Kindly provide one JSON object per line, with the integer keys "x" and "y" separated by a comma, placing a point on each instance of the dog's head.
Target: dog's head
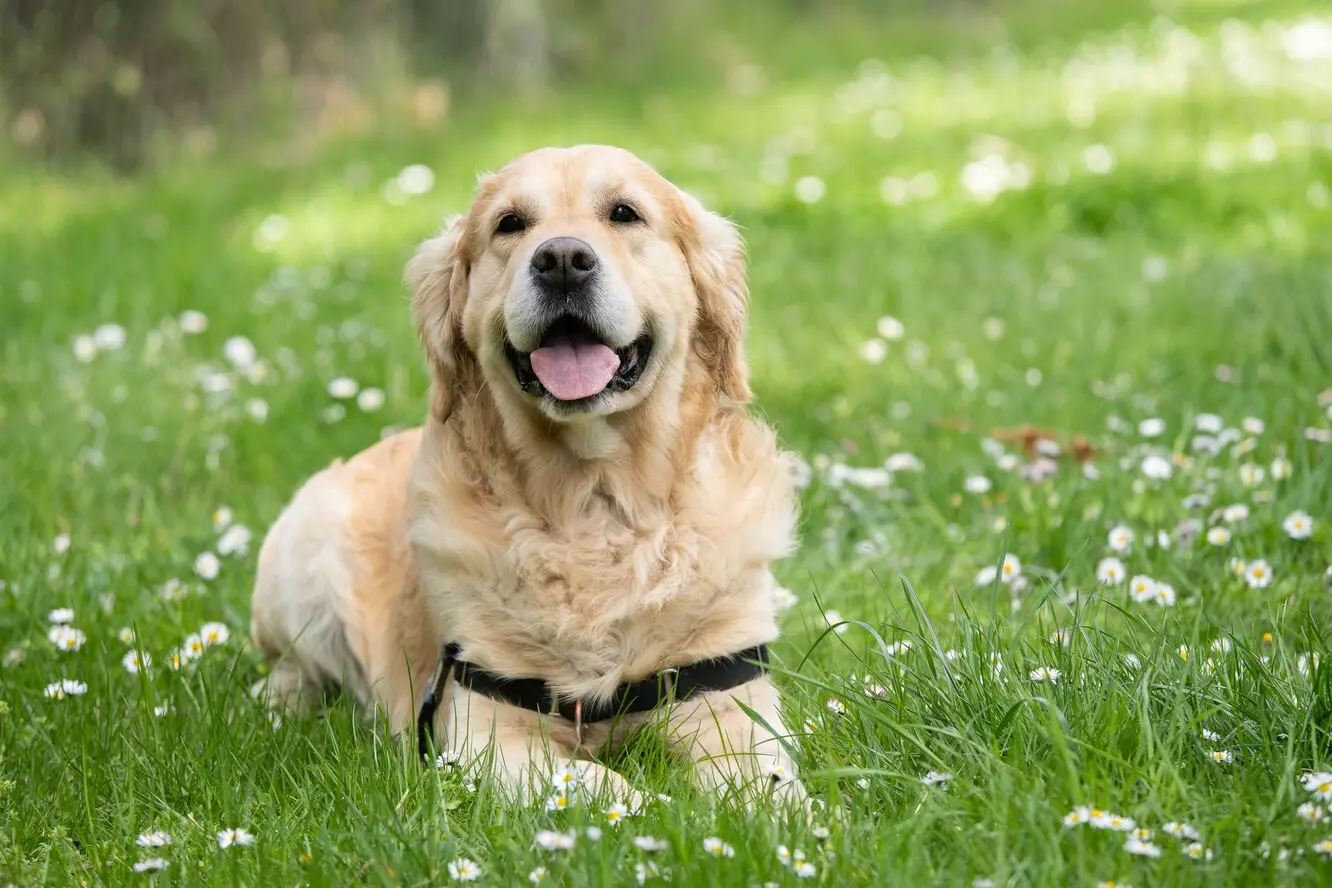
{"x": 581, "y": 284}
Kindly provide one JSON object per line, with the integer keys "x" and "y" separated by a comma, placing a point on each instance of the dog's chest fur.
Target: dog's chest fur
{"x": 612, "y": 591}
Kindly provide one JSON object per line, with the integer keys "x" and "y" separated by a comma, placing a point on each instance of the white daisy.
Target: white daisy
{"x": 1113, "y": 822}
{"x": 464, "y": 870}
{"x": 1252, "y": 425}
{"x": 1320, "y": 784}
{"x": 1121, "y": 539}
{"x": 1211, "y": 736}
{"x": 650, "y": 844}
{"x": 66, "y": 687}
{"x": 1142, "y": 588}
{"x": 1165, "y": 595}
{"x": 538, "y": 875}
{"x": 1258, "y": 574}
{"x": 553, "y": 840}
{"x": 1157, "y": 467}
{"x": 804, "y": 869}
{"x": 226, "y": 838}
{"x": 153, "y": 840}
{"x": 370, "y": 400}
{"x": 1180, "y": 830}
{"x": 835, "y": 621}
{"x": 890, "y": 328}
{"x": 235, "y": 540}
{"x": 240, "y": 352}
{"x": 978, "y": 484}
{"x": 836, "y": 706}
{"x": 1251, "y": 475}
{"x": 214, "y": 634}
{"x": 1011, "y": 569}
{"x": 1208, "y": 422}
{"x": 558, "y": 802}
{"x": 1221, "y": 756}
{"x": 616, "y": 813}
{"x": 1110, "y": 571}
{"x": 987, "y": 575}
{"x": 936, "y": 778}
{"x": 61, "y": 616}
{"x": 717, "y": 848}
{"x": 1233, "y": 514}
{"x": 66, "y": 638}
{"x": 1311, "y": 813}
{"x": 1140, "y": 848}
{"x": 1151, "y": 428}
{"x": 193, "y": 322}
{"x": 151, "y": 865}
{"x": 778, "y": 772}
{"x": 1197, "y": 851}
{"x": 1218, "y": 536}
{"x": 136, "y": 662}
{"x": 206, "y": 565}
{"x": 343, "y": 387}
{"x": 1045, "y": 673}
{"x": 1298, "y": 525}
{"x": 162, "y": 710}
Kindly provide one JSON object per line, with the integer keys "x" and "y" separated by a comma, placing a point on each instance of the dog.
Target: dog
{"x": 588, "y": 508}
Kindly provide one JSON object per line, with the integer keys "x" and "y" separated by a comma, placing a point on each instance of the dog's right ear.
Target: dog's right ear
{"x": 437, "y": 276}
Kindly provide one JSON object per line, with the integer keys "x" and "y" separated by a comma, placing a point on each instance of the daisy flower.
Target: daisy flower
{"x": 1113, "y": 822}
{"x": 1298, "y": 525}
{"x": 937, "y": 778}
{"x": 193, "y": 648}
{"x": 1324, "y": 848}
{"x": 464, "y": 870}
{"x": 1218, "y": 536}
{"x": 1045, "y": 673}
{"x": 214, "y": 633}
{"x": 1196, "y": 851}
{"x": 1111, "y": 883}
{"x": 1183, "y": 652}
{"x": 1142, "y": 849}
{"x": 1258, "y": 574}
{"x": 1078, "y": 816}
{"x": 1311, "y": 813}
{"x": 1110, "y": 571}
{"x": 978, "y": 484}
{"x": 538, "y": 875}
{"x": 1209, "y": 423}
{"x": 206, "y": 565}
{"x": 1180, "y": 830}
{"x": 717, "y": 848}
{"x": 804, "y": 869}
{"x": 66, "y": 638}
{"x": 1252, "y": 425}
{"x": 1320, "y": 784}
{"x": 565, "y": 778}
{"x": 1251, "y": 475}
{"x": 1210, "y": 735}
{"x": 644, "y": 870}
{"x": 135, "y": 662}
{"x": 1011, "y": 569}
{"x": 987, "y": 575}
{"x": 1157, "y": 467}
{"x": 1151, "y": 428}
{"x": 778, "y": 772}
{"x": 221, "y": 518}
{"x": 126, "y": 635}
{"x": 162, "y": 710}
{"x": 836, "y": 706}
{"x": 151, "y": 865}
{"x": 1121, "y": 539}
{"x": 651, "y": 844}
{"x": 66, "y": 687}
{"x": 558, "y": 802}
{"x": 616, "y": 813}
{"x": 1221, "y": 756}
{"x": 1142, "y": 588}
{"x": 226, "y": 838}
{"x": 1165, "y": 595}
{"x": 1234, "y": 514}
{"x": 553, "y": 840}
{"x": 61, "y": 616}
{"x": 1281, "y": 468}
{"x": 153, "y": 840}
{"x": 835, "y": 621}
{"x": 343, "y": 387}
{"x": 235, "y": 541}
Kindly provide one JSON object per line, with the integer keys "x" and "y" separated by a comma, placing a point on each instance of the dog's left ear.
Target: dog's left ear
{"x": 716, "y": 256}
{"x": 437, "y": 277}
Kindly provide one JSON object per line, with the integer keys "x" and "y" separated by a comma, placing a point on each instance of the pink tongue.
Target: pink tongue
{"x": 571, "y": 370}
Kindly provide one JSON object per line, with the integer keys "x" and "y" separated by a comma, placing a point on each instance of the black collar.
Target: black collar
{"x": 717, "y": 674}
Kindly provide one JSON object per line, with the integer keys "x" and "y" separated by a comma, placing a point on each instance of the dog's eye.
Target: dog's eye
{"x": 510, "y": 223}
{"x": 624, "y": 214}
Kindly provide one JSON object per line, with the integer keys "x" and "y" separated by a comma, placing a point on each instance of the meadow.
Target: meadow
{"x": 1047, "y": 314}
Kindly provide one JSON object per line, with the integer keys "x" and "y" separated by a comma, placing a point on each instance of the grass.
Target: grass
{"x": 1190, "y": 278}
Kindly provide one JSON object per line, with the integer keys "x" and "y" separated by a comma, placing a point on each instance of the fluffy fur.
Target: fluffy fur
{"x": 587, "y": 548}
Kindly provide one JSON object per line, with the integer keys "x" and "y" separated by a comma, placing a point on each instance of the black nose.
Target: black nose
{"x": 564, "y": 263}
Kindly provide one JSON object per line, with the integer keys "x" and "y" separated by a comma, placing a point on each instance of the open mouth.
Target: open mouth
{"x": 572, "y": 363}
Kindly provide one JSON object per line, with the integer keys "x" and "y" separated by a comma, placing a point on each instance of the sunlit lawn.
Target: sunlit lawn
{"x": 1124, "y": 235}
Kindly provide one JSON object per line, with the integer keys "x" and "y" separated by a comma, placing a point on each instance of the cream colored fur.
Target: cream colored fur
{"x": 586, "y": 550}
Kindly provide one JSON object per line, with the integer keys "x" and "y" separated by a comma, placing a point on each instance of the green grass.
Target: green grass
{"x": 1166, "y": 287}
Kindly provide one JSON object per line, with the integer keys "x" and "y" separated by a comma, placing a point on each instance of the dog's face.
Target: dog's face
{"x": 580, "y": 284}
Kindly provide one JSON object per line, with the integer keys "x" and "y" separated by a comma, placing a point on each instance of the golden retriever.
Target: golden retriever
{"x": 588, "y": 503}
